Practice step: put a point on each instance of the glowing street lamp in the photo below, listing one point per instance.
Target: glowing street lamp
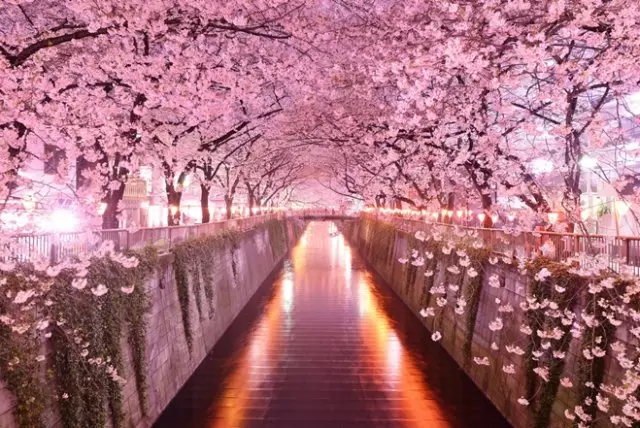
(173, 209)
(481, 217)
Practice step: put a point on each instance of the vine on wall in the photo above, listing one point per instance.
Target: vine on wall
(194, 266)
(84, 307)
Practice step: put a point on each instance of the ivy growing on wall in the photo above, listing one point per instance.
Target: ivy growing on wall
(19, 370)
(194, 266)
(85, 323)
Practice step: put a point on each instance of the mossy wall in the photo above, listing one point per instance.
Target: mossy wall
(468, 335)
(194, 294)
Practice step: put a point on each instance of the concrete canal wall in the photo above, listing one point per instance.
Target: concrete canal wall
(468, 335)
(240, 265)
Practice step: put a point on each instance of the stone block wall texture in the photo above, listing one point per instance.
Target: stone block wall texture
(502, 389)
(169, 363)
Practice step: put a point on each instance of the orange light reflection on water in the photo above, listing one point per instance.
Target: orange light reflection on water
(299, 282)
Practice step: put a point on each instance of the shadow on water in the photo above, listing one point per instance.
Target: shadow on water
(325, 343)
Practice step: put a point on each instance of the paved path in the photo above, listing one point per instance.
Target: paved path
(326, 345)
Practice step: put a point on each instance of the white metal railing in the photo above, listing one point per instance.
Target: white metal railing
(620, 250)
(57, 246)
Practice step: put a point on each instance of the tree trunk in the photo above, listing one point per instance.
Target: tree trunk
(204, 203)
(173, 200)
(228, 202)
(448, 206)
(110, 215)
(251, 200)
(487, 203)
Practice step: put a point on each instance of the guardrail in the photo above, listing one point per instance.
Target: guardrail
(58, 246)
(621, 250)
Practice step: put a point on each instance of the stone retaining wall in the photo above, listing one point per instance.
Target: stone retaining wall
(382, 250)
(169, 363)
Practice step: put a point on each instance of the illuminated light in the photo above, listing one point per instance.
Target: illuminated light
(511, 216)
(144, 205)
(102, 207)
(173, 209)
(588, 162)
(622, 207)
(444, 212)
(481, 217)
(494, 218)
(552, 217)
(459, 213)
(434, 215)
(449, 213)
(29, 202)
(287, 292)
(62, 221)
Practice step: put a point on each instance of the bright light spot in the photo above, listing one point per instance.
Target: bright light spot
(553, 217)
(61, 221)
(588, 162)
(394, 354)
(287, 293)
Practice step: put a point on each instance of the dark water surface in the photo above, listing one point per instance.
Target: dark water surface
(327, 344)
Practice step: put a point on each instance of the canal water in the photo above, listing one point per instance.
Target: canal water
(327, 344)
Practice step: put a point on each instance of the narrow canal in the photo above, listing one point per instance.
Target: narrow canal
(327, 344)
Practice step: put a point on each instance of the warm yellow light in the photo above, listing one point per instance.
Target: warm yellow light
(511, 216)
(173, 209)
(459, 213)
(494, 218)
(585, 214)
(553, 217)
(449, 213)
(481, 216)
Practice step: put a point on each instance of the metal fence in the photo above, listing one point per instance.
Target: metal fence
(620, 250)
(58, 246)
